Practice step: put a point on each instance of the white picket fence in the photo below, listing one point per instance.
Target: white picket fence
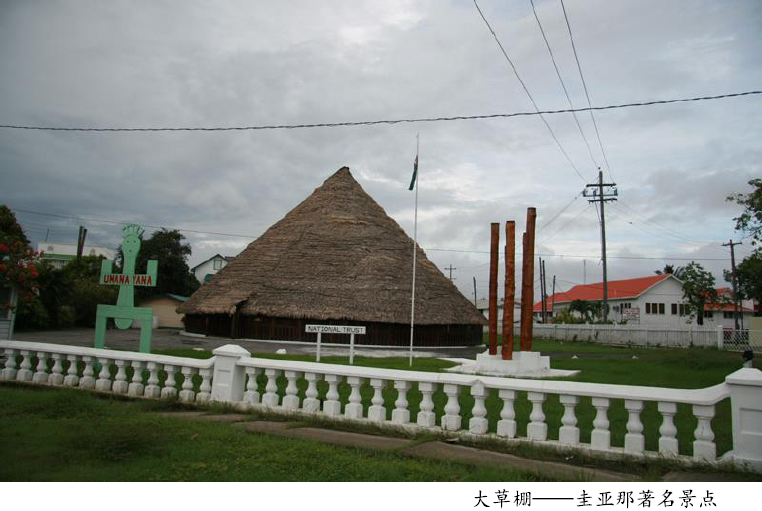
(655, 336)
(233, 376)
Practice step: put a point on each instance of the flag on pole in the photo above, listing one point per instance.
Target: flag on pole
(415, 173)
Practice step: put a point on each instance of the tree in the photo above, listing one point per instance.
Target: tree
(167, 247)
(18, 261)
(698, 290)
(749, 277)
(587, 310)
(749, 271)
(750, 220)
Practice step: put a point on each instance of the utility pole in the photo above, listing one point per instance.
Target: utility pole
(81, 242)
(47, 233)
(451, 269)
(542, 291)
(731, 244)
(553, 297)
(596, 191)
(475, 305)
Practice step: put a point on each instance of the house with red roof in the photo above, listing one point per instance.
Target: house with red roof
(656, 300)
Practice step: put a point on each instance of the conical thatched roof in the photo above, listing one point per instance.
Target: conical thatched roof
(337, 255)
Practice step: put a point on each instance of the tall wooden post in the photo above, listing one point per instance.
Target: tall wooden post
(510, 288)
(493, 260)
(527, 282)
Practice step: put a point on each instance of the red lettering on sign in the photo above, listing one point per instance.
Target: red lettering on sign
(149, 281)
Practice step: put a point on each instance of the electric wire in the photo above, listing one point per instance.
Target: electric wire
(587, 94)
(385, 121)
(529, 95)
(563, 85)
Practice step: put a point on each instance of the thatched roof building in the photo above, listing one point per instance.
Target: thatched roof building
(336, 258)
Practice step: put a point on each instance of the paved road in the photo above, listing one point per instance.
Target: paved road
(169, 338)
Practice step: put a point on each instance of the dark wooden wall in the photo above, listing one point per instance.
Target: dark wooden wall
(289, 329)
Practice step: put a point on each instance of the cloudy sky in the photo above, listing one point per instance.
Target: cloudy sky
(237, 63)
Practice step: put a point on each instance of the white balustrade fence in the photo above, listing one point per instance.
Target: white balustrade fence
(444, 401)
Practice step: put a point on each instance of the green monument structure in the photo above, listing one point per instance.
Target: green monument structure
(125, 312)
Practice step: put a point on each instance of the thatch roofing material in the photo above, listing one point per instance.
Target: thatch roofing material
(337, 255)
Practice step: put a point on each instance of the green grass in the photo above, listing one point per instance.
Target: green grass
(71, 435)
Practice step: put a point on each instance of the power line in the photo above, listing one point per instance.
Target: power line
(563, 85)
(584, 86)
(430, 249)
(526, 90)
(576, 256)
(82, 219)
(559, 213)
(543, 240)
(388, 121)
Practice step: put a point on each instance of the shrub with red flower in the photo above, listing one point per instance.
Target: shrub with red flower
(18, 268)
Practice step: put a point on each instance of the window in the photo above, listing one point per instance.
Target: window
(661, 308)
(674, 309)
(708, 314)
(727, 315)
(648, 308)
(683, 309)
(218, 264)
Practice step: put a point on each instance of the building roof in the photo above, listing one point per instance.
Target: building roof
(725, 307)
(337, 255)
(215, 256)
(618, 290)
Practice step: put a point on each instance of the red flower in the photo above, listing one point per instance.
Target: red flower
(3, 248)
(2, 267)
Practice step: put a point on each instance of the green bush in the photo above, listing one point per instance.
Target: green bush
(31, 315)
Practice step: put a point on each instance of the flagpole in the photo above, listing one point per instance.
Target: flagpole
(415, 245)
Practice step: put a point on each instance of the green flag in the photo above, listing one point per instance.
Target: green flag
(415, 173)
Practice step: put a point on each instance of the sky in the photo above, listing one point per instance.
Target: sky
(185, 63)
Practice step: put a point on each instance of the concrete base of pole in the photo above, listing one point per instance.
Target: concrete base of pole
(525, 364)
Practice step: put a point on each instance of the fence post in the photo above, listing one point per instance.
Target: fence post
(719, 337)
(746, 406)
(229, 378)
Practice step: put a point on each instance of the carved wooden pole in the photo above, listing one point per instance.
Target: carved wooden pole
(527, 282)
(510, 288)
(493, 261)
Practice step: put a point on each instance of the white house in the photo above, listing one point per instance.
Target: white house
(58, 254)
(656, 300)
(204, 271)
(483, 307)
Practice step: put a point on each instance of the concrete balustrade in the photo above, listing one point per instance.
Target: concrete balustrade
(232, 376)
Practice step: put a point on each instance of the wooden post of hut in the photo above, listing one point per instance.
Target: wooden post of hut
(510, 289)
(527, 281)
(493, 261)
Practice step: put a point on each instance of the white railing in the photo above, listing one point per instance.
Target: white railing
(122, 372)
(235, 377)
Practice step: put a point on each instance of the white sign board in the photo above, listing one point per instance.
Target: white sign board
(334, 329)
(631, 313)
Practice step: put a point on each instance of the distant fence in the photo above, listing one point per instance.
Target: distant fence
(657, 336)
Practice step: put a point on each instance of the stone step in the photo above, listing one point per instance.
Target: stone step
(450, 452)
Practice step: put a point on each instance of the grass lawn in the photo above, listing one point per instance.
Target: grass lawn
(674, 368)
(72, 435)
